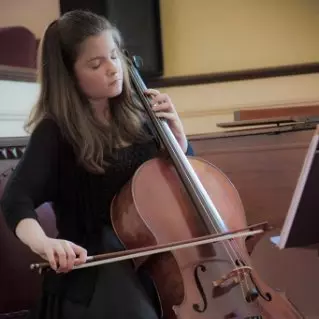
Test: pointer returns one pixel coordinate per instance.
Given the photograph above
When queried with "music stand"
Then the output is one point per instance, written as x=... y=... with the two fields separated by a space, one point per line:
x=301 y=226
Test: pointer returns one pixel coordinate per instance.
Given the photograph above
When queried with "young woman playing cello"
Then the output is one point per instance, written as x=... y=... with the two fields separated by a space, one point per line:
x=89 y=136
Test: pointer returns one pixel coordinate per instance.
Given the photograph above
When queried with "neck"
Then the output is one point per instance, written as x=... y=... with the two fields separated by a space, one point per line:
x=101 y=109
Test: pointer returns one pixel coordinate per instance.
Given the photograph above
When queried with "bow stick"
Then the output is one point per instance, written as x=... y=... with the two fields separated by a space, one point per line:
x=156 y=249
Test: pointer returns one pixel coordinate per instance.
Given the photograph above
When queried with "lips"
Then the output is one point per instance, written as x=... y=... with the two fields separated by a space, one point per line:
x=114 y=82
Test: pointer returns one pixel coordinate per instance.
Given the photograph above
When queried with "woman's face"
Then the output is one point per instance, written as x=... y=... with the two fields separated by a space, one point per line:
x=98 y=67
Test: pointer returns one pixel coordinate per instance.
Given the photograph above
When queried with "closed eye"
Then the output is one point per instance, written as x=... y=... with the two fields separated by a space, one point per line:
x=96 y=64
x=96 y=61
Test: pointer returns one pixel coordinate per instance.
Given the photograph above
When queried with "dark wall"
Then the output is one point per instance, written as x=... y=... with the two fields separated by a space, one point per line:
x=139 y=23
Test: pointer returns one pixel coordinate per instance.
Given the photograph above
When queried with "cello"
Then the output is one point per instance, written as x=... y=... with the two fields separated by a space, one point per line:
x=174 y=198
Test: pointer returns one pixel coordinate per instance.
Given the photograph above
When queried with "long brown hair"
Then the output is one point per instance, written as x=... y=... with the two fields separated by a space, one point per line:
x=61 y=99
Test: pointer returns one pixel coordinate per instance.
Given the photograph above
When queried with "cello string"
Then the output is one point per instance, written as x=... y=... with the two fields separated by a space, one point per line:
x=199 y=196
x=198 y=199
x=228 y=246
x=230 y=250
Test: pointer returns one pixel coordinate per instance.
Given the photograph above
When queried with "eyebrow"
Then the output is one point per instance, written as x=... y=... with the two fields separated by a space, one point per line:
x=100 y=57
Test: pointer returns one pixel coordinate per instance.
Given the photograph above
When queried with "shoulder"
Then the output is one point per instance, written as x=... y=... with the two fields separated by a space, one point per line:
x=46 y=129
x=46 y=134
x=46 y=125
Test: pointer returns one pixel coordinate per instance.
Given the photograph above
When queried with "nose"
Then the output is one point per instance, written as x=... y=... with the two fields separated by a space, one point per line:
x=111 y=68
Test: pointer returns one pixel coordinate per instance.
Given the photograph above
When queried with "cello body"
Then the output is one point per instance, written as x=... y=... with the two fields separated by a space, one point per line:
x=198 y=282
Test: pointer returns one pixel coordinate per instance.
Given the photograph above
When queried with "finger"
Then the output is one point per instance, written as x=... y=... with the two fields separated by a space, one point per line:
x=152 y=92
x=162 y=107
x=70 y=255
x=61 y=254
x=161 y=99
x=166 y=115
x=81 y=254
x=51 y=259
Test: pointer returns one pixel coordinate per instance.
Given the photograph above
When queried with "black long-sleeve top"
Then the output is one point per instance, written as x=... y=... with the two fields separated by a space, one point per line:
x=49 y=172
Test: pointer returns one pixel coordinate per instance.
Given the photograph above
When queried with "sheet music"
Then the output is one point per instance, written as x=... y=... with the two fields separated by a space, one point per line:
x=299 y=190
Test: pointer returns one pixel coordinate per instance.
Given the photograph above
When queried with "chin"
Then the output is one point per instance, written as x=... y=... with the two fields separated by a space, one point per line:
x=115 y=91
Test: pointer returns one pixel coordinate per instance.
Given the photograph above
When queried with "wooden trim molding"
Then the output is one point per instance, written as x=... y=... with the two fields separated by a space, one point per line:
x=13 y=148
x=266 y=113
x=11 y=73
x=297 y=69
x=13 y=141
x=30 y=75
